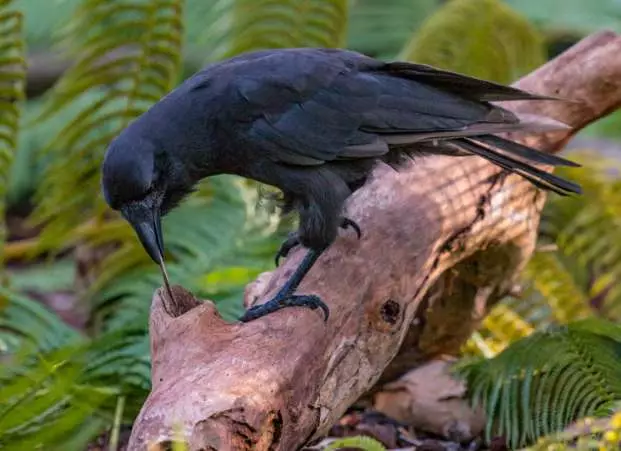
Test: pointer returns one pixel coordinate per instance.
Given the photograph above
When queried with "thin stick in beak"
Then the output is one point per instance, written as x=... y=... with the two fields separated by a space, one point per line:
x=166 y=280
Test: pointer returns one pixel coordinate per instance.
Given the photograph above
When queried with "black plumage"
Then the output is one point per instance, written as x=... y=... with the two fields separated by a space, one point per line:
x=313 y=123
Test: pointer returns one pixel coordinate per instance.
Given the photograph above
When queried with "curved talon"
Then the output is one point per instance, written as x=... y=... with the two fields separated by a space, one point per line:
x=346 y=223
x=292 y=241
x=311 y=301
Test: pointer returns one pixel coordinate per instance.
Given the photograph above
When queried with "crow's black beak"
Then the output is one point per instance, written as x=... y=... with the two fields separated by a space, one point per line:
x=150 y=235
x=148 y=227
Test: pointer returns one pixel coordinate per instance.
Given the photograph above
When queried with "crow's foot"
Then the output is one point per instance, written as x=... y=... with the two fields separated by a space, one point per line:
x=311 y=301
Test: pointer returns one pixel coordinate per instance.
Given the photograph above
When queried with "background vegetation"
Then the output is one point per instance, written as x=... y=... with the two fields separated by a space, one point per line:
x=76 y=286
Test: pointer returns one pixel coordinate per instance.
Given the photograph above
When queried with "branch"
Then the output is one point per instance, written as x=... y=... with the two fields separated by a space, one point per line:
x=588 y=75
x=442 y=239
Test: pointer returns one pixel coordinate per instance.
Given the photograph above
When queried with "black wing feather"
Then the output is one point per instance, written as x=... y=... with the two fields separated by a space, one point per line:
x=312 y=106
x=462 y=85
x=337 y=104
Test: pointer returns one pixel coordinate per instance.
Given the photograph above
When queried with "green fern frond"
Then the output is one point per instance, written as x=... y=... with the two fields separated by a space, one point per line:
x=57 y=388
x=507 y=324
x=362 y=443
x=53 y=398
x=24 y=321
x=587 y=232
x=264 y=24
x=500 y=328
x=510 y=320
x=541 y=383
x=128 y=57
x=567 y=300
x=482 y=38
x=12 y=83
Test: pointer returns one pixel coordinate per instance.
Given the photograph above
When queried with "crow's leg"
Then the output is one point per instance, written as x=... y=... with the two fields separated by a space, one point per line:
x=318 y=194
x=286 y=298
x=293 y=239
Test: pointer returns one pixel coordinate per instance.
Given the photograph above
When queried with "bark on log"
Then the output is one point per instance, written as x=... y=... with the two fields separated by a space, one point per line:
x=442 y=240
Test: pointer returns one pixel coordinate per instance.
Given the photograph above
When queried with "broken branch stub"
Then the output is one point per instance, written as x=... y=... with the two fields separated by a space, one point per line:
x=441 y=239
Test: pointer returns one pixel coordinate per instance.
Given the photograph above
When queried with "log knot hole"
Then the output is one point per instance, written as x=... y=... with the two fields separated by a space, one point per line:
x=390 y=311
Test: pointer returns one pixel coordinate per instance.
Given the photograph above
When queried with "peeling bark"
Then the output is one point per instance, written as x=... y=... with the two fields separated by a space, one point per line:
x=443 y=240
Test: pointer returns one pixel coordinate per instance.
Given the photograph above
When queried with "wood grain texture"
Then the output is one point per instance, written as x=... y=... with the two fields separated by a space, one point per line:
x=442 y=241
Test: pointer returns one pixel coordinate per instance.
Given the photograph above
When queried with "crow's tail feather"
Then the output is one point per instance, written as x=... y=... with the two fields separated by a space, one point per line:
x=525 y=152
x=538 y=177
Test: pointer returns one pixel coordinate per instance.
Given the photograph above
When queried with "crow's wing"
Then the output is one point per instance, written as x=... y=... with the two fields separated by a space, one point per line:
x=311 y=106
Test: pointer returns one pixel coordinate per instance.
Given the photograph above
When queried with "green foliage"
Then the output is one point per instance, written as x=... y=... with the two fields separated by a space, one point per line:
x=362 y=443
x=42 y=20
x=12 y=81
x=571 y=14
x=608 y=127
x=591 y=239
x=380 y=31
x=262 y=24
x=217 y=240
x=60 y=388
x=558 y=287
x=501 y=326
x=458 y=37
x=148 y=36
x=541 y=383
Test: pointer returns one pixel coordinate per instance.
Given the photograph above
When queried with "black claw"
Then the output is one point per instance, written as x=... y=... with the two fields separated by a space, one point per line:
x=310 y=301
x=347 y=223
x=291 y=242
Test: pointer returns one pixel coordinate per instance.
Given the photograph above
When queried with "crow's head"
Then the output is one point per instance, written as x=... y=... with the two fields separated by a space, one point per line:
x=134 y=182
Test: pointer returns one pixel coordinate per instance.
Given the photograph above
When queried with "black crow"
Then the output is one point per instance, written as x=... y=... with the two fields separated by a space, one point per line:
x=313 y=123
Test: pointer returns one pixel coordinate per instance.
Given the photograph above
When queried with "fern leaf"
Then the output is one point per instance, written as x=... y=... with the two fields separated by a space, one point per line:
x=500 y=328
x=541 y=383
x=129 y=56
x=264 y=24
x=24 y=321
x=482 y=38
x=586 y=231
x=12 y=83
x=567 y=301
x=58 y=388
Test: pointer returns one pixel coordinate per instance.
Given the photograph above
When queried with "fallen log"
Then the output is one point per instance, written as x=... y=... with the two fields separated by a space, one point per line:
x=442 y=241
